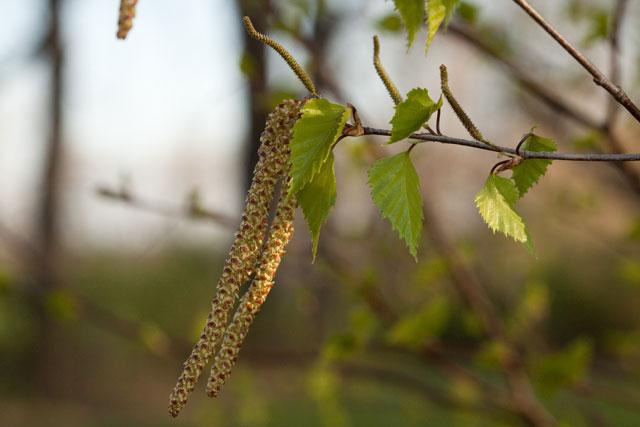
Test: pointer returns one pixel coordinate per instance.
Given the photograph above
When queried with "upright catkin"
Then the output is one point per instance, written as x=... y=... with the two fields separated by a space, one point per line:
x=382 y=73
x=125 y=17
x=280 y=234
x=244 y=253
x=457 y=108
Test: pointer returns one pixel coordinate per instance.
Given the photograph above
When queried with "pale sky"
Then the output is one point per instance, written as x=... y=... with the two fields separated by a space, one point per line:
x=164 y=107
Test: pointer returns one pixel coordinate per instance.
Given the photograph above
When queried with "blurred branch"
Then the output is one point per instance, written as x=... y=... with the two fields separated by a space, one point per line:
x=193 y=210
x=255 y=74
x=432 y=352
x=521 y=76
x=46 y=222
x=471 y=290
x=614 y=59
x=582 y=157
x=410 y=382
x=598 y=77
x=18 y=246
x=625 y=399
x=317 y=44
x=521 y=399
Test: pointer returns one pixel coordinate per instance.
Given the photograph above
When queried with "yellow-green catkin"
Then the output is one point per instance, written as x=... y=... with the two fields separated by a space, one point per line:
x=288 y=58
x=245 y=251
x=457 y=108
x=125 y=17
x=386 y=80
x=280 y=234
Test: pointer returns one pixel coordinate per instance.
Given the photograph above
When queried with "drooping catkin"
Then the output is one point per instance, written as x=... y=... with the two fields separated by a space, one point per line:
x=125 y=17
x=245 y=251
x=280 y=234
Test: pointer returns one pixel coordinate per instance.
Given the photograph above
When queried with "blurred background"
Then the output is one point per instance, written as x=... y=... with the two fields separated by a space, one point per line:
x=123 y=167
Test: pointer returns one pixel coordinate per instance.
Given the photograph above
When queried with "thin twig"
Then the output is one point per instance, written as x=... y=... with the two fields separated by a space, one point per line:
x=549 y=98
x=429 y=352
x=410 y=382
x=598 y=77
x=18 y=246
x=576 y=157
x=471 y=290
x=521 y=76
x=614 y=59
x=159 y=208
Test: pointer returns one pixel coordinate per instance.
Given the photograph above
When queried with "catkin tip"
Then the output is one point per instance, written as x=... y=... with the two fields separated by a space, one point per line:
x=125 y=17
x=284 y=53
x=279 y=236
x=464 y=118
x=394 y=93
x=245 y=252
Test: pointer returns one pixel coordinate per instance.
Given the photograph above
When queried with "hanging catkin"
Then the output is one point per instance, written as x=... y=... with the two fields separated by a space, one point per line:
x=125 y=17
x=280 y=234
x=242 y=258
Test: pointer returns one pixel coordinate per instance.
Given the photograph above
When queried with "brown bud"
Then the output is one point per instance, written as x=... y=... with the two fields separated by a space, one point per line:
x=125 y=17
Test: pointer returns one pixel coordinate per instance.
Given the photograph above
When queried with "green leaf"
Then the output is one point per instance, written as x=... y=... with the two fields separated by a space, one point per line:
x=599 y=26
x=390 y=23
x=412 y=12
x=495 y=202
x=314 y=134
x=412 y=113
x=62 y=305
x=395 y=189
x=438 y=11
x=317 y=198
x=529 y=172
x=468 y=12
x=416 y=329
x=565 y=368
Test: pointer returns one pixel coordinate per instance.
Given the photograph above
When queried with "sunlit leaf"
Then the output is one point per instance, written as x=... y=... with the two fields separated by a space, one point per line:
x=412 y=13
x=438 y=12
x=318 y=128
x=495 y=202
x=412 y=113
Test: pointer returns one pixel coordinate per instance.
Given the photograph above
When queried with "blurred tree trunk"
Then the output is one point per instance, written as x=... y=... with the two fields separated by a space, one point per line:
x=256 y=73
x=47 y=208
